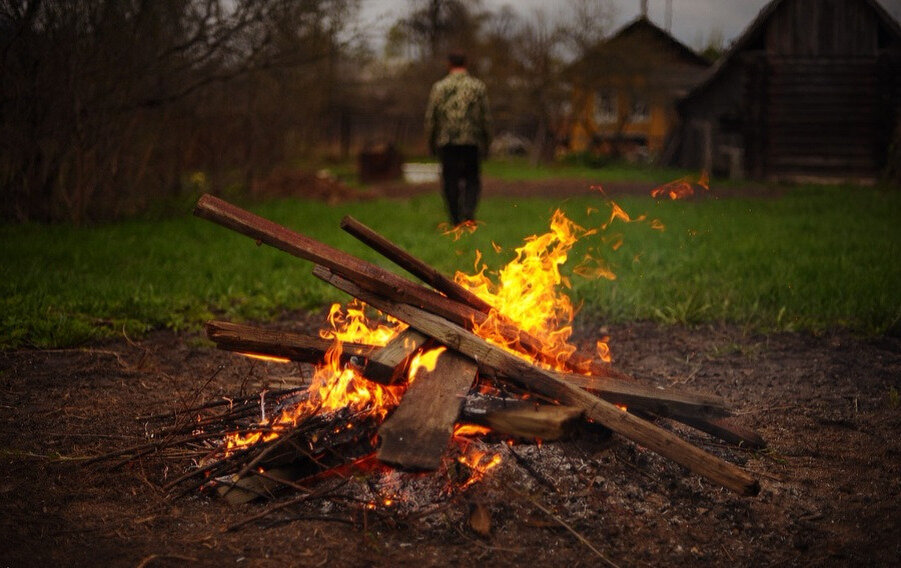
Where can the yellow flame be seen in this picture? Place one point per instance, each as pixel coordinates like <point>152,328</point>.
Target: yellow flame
<point>527,290</point>
<point>335,386</point>
<point>426,360</point>
<point>349,324</point>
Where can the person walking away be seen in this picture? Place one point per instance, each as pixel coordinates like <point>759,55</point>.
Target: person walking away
<point>458,130</point>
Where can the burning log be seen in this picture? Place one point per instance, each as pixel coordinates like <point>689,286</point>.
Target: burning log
<point>381,365</point>
<point>252,340</point>
<point>413,265</point>
<point>524,419</point>
<point>416,434</point>
<point>548,384</point>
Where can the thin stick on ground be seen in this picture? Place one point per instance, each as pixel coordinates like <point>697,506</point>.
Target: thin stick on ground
<point>278,507</point>
<point>567,526</point>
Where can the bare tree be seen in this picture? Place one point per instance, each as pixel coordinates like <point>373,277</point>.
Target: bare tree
<point>107,104</point>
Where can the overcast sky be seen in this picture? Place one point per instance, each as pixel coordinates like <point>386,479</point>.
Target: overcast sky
<point>693,20</point>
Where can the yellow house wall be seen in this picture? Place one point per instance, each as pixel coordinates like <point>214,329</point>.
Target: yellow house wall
<point>583,127</point>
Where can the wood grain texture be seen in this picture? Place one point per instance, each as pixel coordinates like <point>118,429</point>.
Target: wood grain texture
<point>416,435</point>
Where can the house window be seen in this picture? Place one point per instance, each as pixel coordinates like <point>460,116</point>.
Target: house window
<point>605,107</point>
<point>638,110</point>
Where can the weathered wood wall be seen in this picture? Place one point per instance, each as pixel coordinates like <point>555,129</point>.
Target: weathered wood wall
<point>811,90</point>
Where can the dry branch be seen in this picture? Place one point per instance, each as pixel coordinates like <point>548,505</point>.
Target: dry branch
<point>413,265</point>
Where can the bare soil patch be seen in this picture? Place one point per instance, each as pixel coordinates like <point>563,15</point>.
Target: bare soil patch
<point>828,405</point>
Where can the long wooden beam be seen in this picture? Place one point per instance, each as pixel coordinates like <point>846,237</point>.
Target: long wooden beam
<point>640,431</point>
<point>249,339</point>
<point>413,265</point>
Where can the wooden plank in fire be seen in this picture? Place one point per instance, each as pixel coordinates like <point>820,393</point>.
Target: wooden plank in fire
<point>416,435</point>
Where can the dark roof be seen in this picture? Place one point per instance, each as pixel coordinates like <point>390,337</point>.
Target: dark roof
<point>643,23</point>
<point>756,28</point>
<point>618,53</point>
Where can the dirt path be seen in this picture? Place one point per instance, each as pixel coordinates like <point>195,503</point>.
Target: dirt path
<point>560,188</point>
<point>828,405</point>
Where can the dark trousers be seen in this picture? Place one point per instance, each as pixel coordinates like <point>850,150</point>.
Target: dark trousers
<point>462,184</point>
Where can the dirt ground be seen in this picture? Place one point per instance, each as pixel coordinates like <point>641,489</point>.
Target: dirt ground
<point>828,405</point>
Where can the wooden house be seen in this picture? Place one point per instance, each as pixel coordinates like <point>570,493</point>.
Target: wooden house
<point>809,91</point>
<point>625,89</point>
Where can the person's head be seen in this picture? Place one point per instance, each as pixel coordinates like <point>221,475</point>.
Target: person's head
<point>456,60</point>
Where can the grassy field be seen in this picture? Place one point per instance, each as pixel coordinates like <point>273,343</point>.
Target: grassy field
<point>816,258</point>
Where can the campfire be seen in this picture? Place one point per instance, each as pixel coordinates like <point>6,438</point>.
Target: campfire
<point>409,378</point>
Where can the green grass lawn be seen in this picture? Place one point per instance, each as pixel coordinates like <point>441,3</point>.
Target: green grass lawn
<point>518,169</point>
<point>816,258</point>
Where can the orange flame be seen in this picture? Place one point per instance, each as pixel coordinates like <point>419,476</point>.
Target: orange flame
<point>335,386</point>
<point>604,349</point>
<point>457,231</point>
<point>527,290</point>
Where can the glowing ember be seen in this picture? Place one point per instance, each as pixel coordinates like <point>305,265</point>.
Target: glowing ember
<point>269,358</point>
<point>604,350</point>
<point>682,187</point>
<point>464,430</point>
<point>480,463</point>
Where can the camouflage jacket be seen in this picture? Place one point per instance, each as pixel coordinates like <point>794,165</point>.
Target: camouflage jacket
<point>458,112</point>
